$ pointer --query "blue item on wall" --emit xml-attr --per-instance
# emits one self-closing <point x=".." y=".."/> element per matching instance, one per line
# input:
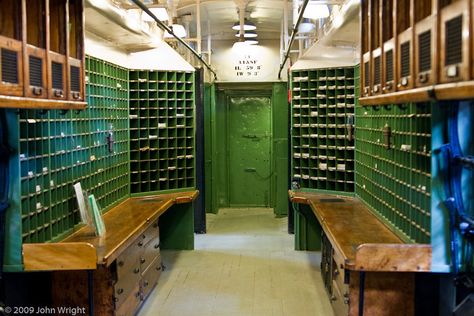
<point x="4" y="186"/>
<point x="454" y="163"/>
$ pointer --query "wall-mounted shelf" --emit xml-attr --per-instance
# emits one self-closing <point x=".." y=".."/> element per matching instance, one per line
<point x="448" y="91"/>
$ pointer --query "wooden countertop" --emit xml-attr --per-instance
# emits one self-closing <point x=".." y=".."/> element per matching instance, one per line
<point x="356" y="234"/>
<point x="123" y="224"/>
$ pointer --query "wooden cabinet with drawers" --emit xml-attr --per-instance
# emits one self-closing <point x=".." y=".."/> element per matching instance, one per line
<point x="121" y="287"/>
<point x="137" y="270"/>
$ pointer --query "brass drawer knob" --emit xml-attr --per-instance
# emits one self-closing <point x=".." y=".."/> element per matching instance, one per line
<point x="136" y="270"/>
<point x="142" y="260"/>
<point x="120" y="291"/>
<point x="145" y="284"/>
<point x="140" y="244"/>
<point x="37" y="90"/>
<point x="157" y="246"/>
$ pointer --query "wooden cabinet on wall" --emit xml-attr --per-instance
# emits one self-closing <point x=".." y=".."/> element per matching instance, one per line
<point x="42" y="54"/>
<point x="426" y="49"/>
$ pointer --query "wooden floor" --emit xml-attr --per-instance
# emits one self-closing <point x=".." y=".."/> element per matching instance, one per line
<point x="244" y="265"/>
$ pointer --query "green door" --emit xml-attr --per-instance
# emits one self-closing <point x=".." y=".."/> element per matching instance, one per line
<point x="250" y="135"/>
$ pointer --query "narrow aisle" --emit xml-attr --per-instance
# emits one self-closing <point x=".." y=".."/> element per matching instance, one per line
<point x="244" y="265"/>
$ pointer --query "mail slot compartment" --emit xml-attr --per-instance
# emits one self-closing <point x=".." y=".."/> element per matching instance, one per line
<point x="11" y="65"/>
<point x="150" y="252"/>
<point x="150" y="278"/>
<point x="454" y="41"/>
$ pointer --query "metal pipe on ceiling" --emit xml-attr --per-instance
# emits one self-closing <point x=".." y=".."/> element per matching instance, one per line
<point x="293" y="34"/>
<point x="165" y="27"/>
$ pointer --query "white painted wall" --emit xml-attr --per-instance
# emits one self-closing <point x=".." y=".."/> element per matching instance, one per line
<point x="319" y="56"/>
<point x="161" y="58"/>
<point x="254" y="63"/>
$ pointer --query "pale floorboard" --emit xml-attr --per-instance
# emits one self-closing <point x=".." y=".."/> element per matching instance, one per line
<point x="244" y="265"/>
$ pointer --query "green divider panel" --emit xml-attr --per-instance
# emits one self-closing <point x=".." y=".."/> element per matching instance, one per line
<point x="307" y="229"/>
<point x="280" y="147"/>
<point x="177" y="227"/>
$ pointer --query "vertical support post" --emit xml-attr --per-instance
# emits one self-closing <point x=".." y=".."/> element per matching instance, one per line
<point x="198" y="26"/>
<point x="209" y="46"/>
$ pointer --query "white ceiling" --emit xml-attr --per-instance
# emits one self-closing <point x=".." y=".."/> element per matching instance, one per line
<point x="109" y="19"/>
<point x="222" y="14"/>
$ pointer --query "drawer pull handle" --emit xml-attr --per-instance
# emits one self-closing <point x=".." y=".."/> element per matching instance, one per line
<point x="120" y="263"/>
<point x="116" y="299"/>
<point x="37" y="90"/>
<point x="145" y="284"/>
<point x="140" y="244"/>
<point x="142" y="260"/>
<point x="333" y="298"/>
<point x="346" y="298"/>
<point x="136" y="270"/>
<point x="157" y="246"/>
<point x="158" y="268"/>
<point x="143" y="236"/>
<point x="120" y="291"/>
<point x="137" y="295"/>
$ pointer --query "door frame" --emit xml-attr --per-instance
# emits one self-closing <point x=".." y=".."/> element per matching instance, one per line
<point x="250" y="93"/>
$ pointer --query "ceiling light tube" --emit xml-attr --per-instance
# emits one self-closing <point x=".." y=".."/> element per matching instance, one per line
<point x="248" y="26"/>
<point x="249" y="34"/>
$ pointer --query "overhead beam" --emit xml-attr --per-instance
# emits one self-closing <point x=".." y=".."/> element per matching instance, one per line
<point x="293" y="35"/>
<point x="166" y="28"/>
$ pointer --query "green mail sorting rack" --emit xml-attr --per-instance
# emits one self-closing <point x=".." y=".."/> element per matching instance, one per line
<point x="161" y="130"/>
<point x="323" y="102"/>
<point x="393" y="166"/>
<point x="57" y="149"/>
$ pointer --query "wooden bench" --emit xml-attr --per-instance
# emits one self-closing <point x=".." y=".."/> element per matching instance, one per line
<point x="126" y="261"/>
<point x="361" y="246"/>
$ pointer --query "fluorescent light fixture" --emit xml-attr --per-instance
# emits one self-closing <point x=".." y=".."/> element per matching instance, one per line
<point x="178" y="30"/>
<point x="248" y="26"/>
<point x="316" y="11"/>
<point x="306" y="26"/>
<point x="240" y="45"/>
<point x="251" y="42"/>
<point x="160" y="13"/>
<point x="249" y="34"/>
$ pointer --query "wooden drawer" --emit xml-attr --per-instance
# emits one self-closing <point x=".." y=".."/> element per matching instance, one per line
<point x="129" y="261"/>
<point x="125" y="285"/>
<point x="339" y="300"/>
<point x="150" y="252"/>
<point x="150" y="233"/>
<point x="150" y="278"/>
<point x="130" y="304"/>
